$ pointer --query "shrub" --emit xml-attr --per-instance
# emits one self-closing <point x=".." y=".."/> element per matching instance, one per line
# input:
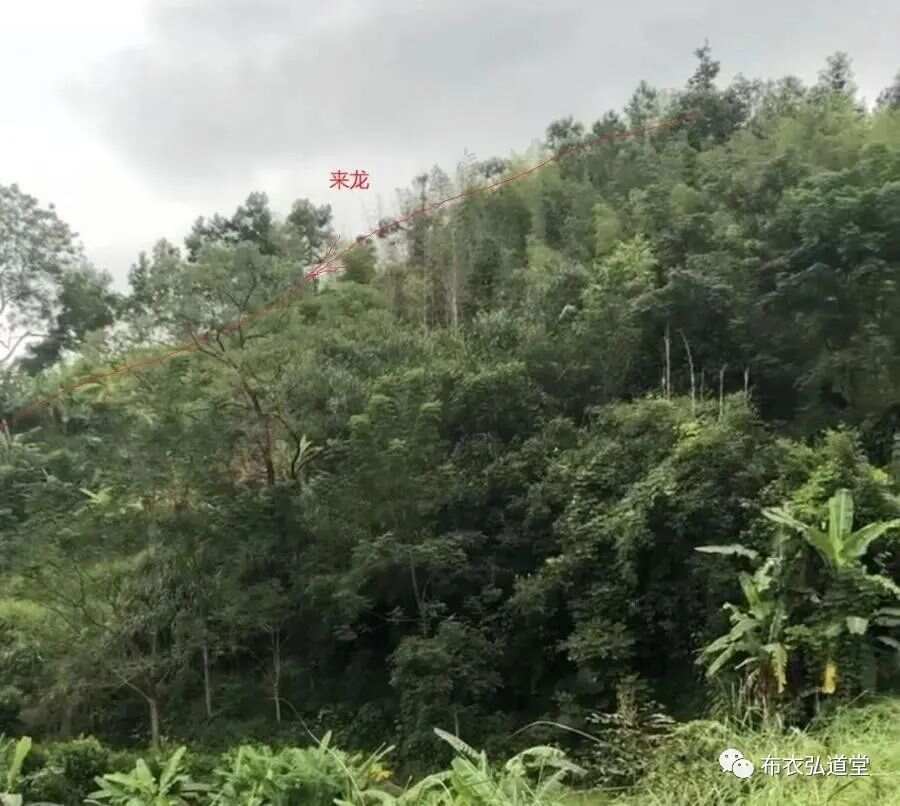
<point x="534" y="777"/>
<point x="11" y="700"/>
<point x="628" y="739"/>
<point x="140" y="787"/>
<point x="69" y="770"/>
<point x="256" y="775"/>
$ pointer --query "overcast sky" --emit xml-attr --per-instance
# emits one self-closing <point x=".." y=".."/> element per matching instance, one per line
<point x="136" y="116"/>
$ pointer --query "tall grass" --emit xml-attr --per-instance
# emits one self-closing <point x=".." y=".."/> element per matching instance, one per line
<point x="686" y="772"/>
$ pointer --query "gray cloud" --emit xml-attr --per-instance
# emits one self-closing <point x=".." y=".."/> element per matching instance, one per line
<point x="225" y="86"/>
<point x="228" y="91"/>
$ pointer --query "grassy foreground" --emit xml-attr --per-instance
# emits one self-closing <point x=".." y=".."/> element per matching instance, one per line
<point x="684" y="771"/>
<point x="688" y="773"/>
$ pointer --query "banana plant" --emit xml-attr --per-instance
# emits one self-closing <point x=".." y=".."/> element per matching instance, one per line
<point x="842" y="550"/>
<point x="141" y="787"/>
<point x="12" y="756"/>
<point x="756" y="644"/>
<point x="15" y="754"/>
<point x="839" y="546"/>
<point x="532" y="778"/>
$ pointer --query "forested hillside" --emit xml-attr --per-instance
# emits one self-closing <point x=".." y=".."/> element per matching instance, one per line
<point x="462" y="484"/>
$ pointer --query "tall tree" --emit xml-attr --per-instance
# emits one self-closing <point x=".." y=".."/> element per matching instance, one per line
<point x="312" y="225"/>
<point x="837" y="76"/>
<point x="889" y="97"/>
<point x="252" y="222"/>
<point x="717" y="113"/>
<point x="85" y="304"/>
<point x="36" y="249"/>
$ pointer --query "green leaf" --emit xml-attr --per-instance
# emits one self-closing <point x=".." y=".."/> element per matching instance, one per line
<point x="816" y="538"/>
<point x="721" y="643"/>
<point x="888" y="617"/>
<point x="751" y="592"/>
<point x="718" y="663"/>
<point x="168" y="774"/>
<point x="124" y="778"/>
<point x="143" y="774"/>
<point x="834" y="629"/>
<point x="883" y="582"/>
<point x="22" y="748"/>
<point x="821" y="542"/>
<point x="856" y="625"/>
<point x="99" y="498"/>
<point x="857" y="544"/>
<point x="459" y="745"/>
<point x="729" y="550"/>
<point x="840" y="516"/>
<point x="781" y="517"/>
<point x="779" y="655"/>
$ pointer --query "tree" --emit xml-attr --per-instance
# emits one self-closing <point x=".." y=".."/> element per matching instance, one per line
<point x="36" y="249"/>
<point x="123" y="611"/>
<point x="85" y="304"/>
<point x="564" y="133"/>
<point x="155" y="282"/>
<point x="643" y="107"/>
<point x="322" y="502"/>
<point x="836" y="78"/>
<point x="359" y="263"/>
<point x="312" y="225"/>
<point x="252" y="222"/>
<point x="717" y="114"/>
<point x="889" y="98"/>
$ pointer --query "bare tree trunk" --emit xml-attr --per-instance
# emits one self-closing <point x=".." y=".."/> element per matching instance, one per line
<point x="746" y="381"/>
<point x="895" y="457"/>
<point x="153" y="705"/>
<point x="276" y="672"/>
<point x="424" y="299"/>
<point x="420" y="601"/>
<point x="693" y="380"/>
<point x="265" y="445"/>
<point x="454" y="297"/>
<point x="207" y="687"/>
<point x="454" y="280"/>
<point x="423" y="198"/>
<point x="668" y="342"/>
<point x="269" y="462"/>
<point x="722" y="391"/>
<point x="152" y="701"/>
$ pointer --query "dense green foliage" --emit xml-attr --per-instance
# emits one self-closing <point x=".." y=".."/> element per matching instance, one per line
<point x="678" y="772"/>
<point x="463" y="485"/>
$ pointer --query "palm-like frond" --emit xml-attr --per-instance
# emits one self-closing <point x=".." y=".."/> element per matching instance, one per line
<point x="857" y="543"/>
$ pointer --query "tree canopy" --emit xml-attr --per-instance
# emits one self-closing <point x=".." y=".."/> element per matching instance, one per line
<point x="465" y="486"/>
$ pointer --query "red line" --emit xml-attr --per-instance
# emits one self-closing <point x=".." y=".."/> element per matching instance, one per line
<point x="328" y="266"/>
